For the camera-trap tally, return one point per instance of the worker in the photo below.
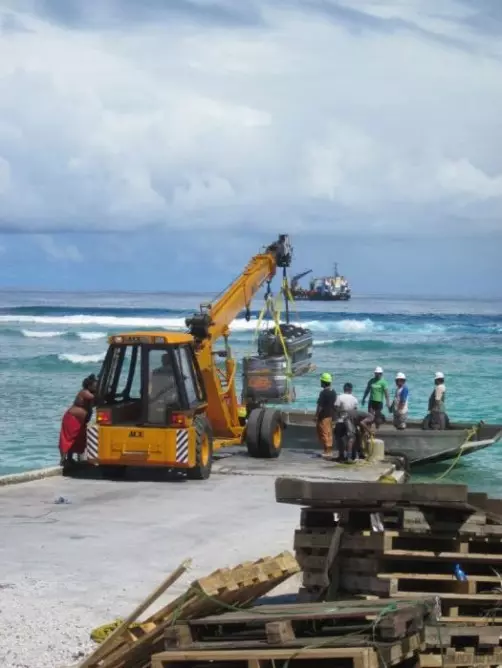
(437, 417)
(325, 413)
(73, 433)
(399, 408)
(377, 389)
(344, 402)
(360, 426)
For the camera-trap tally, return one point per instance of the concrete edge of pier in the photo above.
(29, 476)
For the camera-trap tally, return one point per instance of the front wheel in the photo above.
(203, 450)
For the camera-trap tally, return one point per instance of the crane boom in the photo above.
(213, 322)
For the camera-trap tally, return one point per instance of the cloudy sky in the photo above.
(142, 142)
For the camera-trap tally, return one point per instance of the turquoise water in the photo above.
(49, 342)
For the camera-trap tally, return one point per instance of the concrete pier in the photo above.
(77, 553)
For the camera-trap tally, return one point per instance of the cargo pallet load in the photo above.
(407, 542)
(284, 353)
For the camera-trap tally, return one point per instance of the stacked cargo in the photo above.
(282, 355)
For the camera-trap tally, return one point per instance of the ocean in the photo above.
(50, 341)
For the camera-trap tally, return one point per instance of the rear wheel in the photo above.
(264, 433)
(203, 450)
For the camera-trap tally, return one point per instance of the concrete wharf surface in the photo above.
(66, 568)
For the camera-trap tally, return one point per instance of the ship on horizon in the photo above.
(323, 288)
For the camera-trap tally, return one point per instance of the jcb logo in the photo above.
(135, 434)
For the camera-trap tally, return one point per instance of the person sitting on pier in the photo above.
(377, 389)
(325, 413)
(399, 406)
(73, 434)
(437, 417)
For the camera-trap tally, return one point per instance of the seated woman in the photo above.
(72, 437)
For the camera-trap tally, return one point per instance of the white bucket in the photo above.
(377, 450)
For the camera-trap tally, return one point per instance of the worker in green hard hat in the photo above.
(325, 413)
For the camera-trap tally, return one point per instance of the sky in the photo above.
(157, 145)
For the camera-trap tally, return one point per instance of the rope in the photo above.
(271, 308)
(469, 434)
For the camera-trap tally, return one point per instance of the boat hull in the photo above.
(418, 445)
(313, 297)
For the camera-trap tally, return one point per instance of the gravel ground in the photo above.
(67, 568)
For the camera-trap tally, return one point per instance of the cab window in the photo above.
(120, 380)
(163, 392)
(189, 378)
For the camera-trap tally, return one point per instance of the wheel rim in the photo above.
(277, 437)
(204, 450)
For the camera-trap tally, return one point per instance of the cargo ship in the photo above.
(323, 289)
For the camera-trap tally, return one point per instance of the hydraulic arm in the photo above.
(214, 321)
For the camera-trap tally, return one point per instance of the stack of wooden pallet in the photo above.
(360, 634)
(404, 542)
(131, 645)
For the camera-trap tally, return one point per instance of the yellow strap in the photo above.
(469, 434)
(265, 311)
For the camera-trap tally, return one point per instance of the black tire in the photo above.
(271, 425)
(253, 429)
(202, 470)
(116, 472)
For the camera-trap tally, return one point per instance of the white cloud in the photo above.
(381, 113)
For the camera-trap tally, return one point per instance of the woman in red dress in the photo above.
(72, 437)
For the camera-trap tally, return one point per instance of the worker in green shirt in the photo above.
(377, 389)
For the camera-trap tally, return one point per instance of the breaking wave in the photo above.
(67, 326)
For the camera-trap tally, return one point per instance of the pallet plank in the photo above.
(327, 493)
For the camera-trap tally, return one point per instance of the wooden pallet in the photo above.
(238, 586)
(294, 624)
(408, 584)
(462, 637)
(450, 658)
(451, 522)
(306, 657)
(370, 563)
(395, 543)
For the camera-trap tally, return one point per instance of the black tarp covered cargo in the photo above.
(298, 342)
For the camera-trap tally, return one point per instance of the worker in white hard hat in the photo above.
(437, 417)
(399, 406)
(377, 389)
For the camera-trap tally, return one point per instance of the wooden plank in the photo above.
(325, 493)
